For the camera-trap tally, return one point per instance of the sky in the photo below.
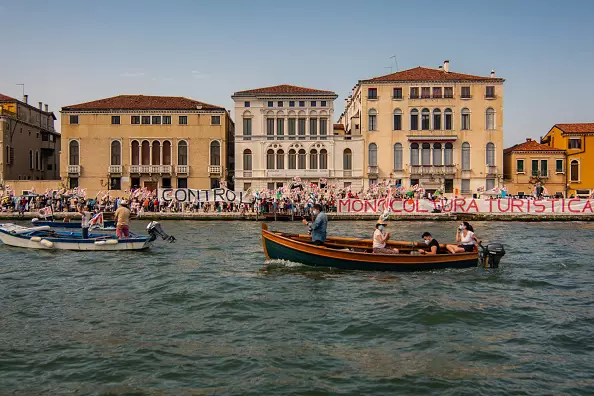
(68, 52)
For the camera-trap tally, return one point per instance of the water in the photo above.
(207, 316)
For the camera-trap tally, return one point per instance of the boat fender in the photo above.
(99, 242)
(112, 242)
(36, 239)
(46, 243)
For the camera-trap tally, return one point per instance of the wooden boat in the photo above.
(44, 237)
(356, 254)
(107, 225)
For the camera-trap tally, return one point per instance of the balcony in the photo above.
(490, 170)
(373, 170)
(540, 173)
(114, 169)
(433, 170)
(74, 170)
(165, 169)
(182, 169)
(151, 169)
(47, 145)
(305, 173)
(247, 173)
(214, 169)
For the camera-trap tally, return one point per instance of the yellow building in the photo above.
(30, 144)
(578, 142)
(155, 142)
(529, 164)
(431, 127)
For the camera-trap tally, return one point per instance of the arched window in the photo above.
(574, 171)
(37, 160)
(397, 120)
(247, 159)
(146, 152)
(73, 153)
(414, 119)
(437, 119)
(292, 159)
(490, 119)
(449, 154)
(215, 153)
(373, 154)
(313, 159)
(270, 159)
(465, 119)
(437, 154)
(116, 152)
(301, 159)
(465, 156)
(182, 153)
(323, 159)
(448, 120)
(280, 159)
(135, 152)
(414, 154)
(372, 119)
(398, 156)
(156, 151)
(166, 152)
(347, 159)
(426, 154)
(490, 154)
(425, 119)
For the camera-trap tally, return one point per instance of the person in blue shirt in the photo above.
(318, 226)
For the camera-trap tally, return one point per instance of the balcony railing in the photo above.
(542, 173)
(182, 169)
(297, 172)
(214, 169)
(372, 170)
(165, 169)
(115, 169)
(47, 145)
(433, 169)
(74, 169)
(247, 173)
(491, 170)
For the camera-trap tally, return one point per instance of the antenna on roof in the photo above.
(23, 85)
(395, 62)
(389, 67)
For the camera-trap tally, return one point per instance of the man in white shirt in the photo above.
(86, 218)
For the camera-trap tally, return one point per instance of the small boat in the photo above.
(108, 225)
(44, 237)
(356, 254)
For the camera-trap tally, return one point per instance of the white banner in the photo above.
(192, 195)
(462, 205)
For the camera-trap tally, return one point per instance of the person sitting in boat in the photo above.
(466, 239)
(380, 238)
(432, 244)
(318, 226)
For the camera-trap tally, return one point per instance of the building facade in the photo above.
(287, 131)
(529, 164)
(430, 127)
(131, 141)
(30, 144)
(577, 140)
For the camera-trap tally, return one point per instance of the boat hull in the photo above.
(58, 224)
(277, 247)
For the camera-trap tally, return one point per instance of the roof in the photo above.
(532, 145)
(587, 127)
(284, 90)
(6, 98)
(339, 126)
(427, 74)
(143, 102)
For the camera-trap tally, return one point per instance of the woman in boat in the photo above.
(380, 238)
(466, 239)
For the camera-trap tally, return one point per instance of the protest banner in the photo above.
(194, 196)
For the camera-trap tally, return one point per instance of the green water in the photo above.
(207, 316)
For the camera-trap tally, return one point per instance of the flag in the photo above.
(97, 221)
(46, 212)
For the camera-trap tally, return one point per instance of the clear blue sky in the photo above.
(68, 52)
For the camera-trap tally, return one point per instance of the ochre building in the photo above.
(430, 127)
(131, 141)
(578, 142)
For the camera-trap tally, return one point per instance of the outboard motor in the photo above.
(154, 229)
(490, 256)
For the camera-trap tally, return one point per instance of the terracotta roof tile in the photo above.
(143, 102)
(531, 145)
(284, 89)
(339, 126)
(6, 98)
(427, 74)
(587, 127)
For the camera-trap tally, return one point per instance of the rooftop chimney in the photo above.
(46, 108)
(528, 139)
(446, 66)
(440, 67)
(492, 73)
(40, 106)
(26, 99)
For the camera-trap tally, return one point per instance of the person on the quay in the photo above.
(465, 238)
(86, 218)
(122, 218)
(432, 244)
(318, 226)
(380, 238)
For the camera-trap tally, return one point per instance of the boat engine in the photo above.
(155, 230)
(490, 255)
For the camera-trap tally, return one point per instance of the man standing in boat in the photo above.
(122, 219)
(318, 226)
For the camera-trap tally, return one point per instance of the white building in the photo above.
(285, 131)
